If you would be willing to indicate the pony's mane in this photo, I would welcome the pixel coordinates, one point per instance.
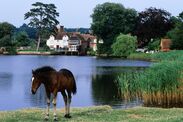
(44, 69)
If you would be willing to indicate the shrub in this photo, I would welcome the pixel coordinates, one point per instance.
(154, 45)
(124, 45)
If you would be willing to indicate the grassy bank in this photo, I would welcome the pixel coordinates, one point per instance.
(140, 56)
(159, 56)
(98, 114)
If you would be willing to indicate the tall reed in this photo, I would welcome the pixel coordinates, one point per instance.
(128, 87)
(162, 84)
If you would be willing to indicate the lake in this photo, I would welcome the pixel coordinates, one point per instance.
(95, 79)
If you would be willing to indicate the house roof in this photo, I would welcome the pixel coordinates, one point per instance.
(88, 37)
(74, 38)
(60, 35)
(72, 35)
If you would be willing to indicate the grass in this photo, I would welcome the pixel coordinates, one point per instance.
(168, 56)
(159, 56)
(98, 114)
(140, 56)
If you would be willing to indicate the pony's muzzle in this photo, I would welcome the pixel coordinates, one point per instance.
(33, 92)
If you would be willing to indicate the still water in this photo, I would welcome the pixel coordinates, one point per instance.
(94, 77)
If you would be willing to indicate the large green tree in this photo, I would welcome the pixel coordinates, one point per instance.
(176, 34)
(31, 32)
(108, 21)
(6, 33)
(22, 39)
(152, 23)
(6, 29)
(42, 17)
(6, 37)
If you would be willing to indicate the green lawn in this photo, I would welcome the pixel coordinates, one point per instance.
(98, 114)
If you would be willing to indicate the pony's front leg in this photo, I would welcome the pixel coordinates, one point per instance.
(48, 109)
(48, 106)
(54, 107)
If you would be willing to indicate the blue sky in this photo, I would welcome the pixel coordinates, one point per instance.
(76, 13)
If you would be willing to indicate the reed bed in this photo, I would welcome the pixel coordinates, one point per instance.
(160, 86)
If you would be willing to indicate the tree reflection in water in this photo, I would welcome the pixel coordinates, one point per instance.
(105, 90)
(5, 81)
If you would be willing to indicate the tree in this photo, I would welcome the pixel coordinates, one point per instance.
(42, 17)
(6, 33)
(31, 32)
(6, 37)
(6, 29)
(5, 41)
(152, 23)
(22, 39)
(176, 34)
(154, 44)
(181, 16)
(124, 45)
(108, 21)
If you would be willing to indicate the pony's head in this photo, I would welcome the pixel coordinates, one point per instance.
(36, 82)
(39, 75)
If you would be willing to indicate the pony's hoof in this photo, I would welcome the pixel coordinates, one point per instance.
(67, 116)
(46, 118)
(55, 119)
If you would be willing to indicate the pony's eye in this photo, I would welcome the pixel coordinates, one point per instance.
(32, 79)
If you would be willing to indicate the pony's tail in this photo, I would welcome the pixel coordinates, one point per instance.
(74, 89)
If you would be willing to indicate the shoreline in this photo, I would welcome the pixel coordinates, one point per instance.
(140, 56)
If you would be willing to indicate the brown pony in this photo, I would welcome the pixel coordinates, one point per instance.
(62, 81)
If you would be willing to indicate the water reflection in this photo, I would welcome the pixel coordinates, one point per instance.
(105, 90)
(5, 81)
(37, 100)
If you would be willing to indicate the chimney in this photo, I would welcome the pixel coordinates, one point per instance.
(60, 28)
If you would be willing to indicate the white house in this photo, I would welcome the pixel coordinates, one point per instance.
(60, 41)
(57, 43)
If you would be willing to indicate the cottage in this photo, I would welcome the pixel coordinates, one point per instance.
(58, 42)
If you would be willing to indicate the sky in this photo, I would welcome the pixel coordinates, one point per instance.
(76, 13)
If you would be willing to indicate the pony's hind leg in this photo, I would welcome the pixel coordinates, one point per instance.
(68, 104)
(65, 101)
